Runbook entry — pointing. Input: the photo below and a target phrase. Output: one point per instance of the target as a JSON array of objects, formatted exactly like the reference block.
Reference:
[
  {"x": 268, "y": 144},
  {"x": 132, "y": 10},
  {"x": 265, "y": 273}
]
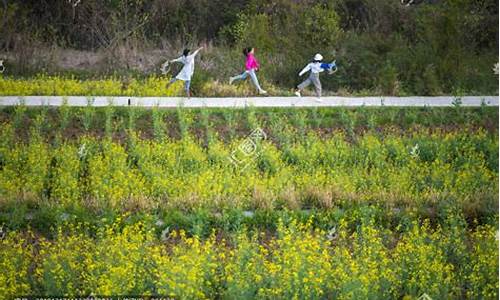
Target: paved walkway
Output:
[{"x": 253, "y": 101}]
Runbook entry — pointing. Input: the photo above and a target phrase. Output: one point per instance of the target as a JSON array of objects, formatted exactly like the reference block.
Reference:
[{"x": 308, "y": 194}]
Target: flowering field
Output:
[
  {"x": 330, "y": 203},
  {"x": 151, "y": 86}
]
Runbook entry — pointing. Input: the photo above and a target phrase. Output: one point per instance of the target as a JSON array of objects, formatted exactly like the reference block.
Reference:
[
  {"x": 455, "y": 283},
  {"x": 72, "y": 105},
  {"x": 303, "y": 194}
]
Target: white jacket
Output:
[
  {"x": 187, "y": 71},
  {"x": 315, "y": 67}
]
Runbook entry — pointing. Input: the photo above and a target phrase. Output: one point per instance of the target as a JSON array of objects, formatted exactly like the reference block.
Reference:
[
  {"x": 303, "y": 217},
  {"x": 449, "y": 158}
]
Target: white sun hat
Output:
[{"x": 318, "y": 56}]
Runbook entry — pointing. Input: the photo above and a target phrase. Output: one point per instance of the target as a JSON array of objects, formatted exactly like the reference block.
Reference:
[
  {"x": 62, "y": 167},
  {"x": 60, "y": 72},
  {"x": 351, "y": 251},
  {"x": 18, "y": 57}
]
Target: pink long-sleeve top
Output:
[{"x": 251, "y": 62}]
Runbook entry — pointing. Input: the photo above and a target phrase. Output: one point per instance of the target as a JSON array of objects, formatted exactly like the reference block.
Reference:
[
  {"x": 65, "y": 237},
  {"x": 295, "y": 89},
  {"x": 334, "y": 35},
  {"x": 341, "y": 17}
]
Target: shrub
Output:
[
  {"x": 63, "y": 269},
  {"x": 65, "y": 176},
  {"x": 122, "y": 261},
  {"x": 190, "y": 269},
  {"x": 422, "y": 266},
  {"x": 483, "y": 277},
  {"x": 15, "y": 259}
]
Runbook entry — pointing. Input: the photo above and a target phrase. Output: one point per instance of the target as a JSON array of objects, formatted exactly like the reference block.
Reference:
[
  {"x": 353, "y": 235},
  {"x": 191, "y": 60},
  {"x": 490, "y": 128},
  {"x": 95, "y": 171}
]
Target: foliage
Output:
[
  {"x": 192, "y": 171},
  {"x": 298, "y": 261},
  {"x": 430, "y": 48},
  {"x": 336, "y": 203},
  {"x": 15, "y": 256}
]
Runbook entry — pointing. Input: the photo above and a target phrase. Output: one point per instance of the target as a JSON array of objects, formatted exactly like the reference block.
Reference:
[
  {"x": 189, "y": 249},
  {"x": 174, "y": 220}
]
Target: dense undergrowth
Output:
[
  {"x": 154, "y": 86},
  {"x": 382, "y": 47},
  {"x": 383, "y": 203},
  {"x": 149, "y": 86},
  {"x": 363, "y": 261}
]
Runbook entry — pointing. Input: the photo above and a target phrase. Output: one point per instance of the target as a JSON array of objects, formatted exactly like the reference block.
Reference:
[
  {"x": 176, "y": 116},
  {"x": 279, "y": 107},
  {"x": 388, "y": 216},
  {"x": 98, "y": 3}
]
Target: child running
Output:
[
  {"x": 187, "y": 71},
  {"x": 316, "y": 67},
  {"x": 251, "y": 66}
]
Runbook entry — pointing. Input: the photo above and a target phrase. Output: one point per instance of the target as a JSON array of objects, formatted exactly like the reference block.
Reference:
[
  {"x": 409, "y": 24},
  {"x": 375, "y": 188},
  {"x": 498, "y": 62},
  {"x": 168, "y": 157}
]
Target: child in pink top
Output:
[
  {"x": 251, "y": 66},
  {"x": 251, "y": 62}
]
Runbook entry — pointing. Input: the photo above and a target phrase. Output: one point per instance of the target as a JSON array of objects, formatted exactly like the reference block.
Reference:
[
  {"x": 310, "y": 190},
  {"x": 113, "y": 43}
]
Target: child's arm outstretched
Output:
[
  {"x": 196, "y": 51},
  {"x": 179, "y": 59},
  {"x": 307, "y": 68}
]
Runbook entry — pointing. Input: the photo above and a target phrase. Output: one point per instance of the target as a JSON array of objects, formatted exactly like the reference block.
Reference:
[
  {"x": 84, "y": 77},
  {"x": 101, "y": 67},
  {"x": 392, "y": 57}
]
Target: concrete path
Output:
[{"x": 252, "y": 101}]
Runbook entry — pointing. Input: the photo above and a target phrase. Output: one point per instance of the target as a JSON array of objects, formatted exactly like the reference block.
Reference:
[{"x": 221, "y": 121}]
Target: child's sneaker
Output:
[
  {"x": 319, "y": 100},
  {"x": 262, "y": 92},
  {"x": 231, "y": 79},
  {"x": 297, "y": 93}
]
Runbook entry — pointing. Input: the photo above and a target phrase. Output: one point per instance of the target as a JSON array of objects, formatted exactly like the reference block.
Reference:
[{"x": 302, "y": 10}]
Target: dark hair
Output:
[
  {"x": 186, "y": 52},
  {"x": 247, "y": 50}
]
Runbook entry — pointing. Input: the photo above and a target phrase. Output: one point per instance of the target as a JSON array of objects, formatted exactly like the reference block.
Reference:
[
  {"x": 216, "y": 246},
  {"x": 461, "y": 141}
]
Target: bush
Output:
[
  {"x": 422, "y": 266},
  {"x": 484, "y": 264},
  {"x": 15, "y": 257},
  {"x": 354, "y": 258}
]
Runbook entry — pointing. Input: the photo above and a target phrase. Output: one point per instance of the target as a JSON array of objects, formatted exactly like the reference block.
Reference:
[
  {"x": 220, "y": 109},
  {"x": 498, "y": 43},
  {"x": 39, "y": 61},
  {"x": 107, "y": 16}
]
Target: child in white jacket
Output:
[
  {"x": 316, "y": 67},
  {"x": 187, "y": 71}
]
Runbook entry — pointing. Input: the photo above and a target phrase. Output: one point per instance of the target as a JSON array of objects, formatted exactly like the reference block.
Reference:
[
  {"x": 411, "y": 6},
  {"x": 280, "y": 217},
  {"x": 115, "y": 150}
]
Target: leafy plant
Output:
[
  {"x": 65, "y": 114},
  {"x": 108, "y": 123},
  {"x": 158, "y": 123},
  {"x": 87, "y": 114}
]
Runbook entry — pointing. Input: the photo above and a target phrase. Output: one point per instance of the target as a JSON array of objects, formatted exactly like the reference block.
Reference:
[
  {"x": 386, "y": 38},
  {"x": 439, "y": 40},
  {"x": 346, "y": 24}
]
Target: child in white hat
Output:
[{"x": 316, "y": 67}]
